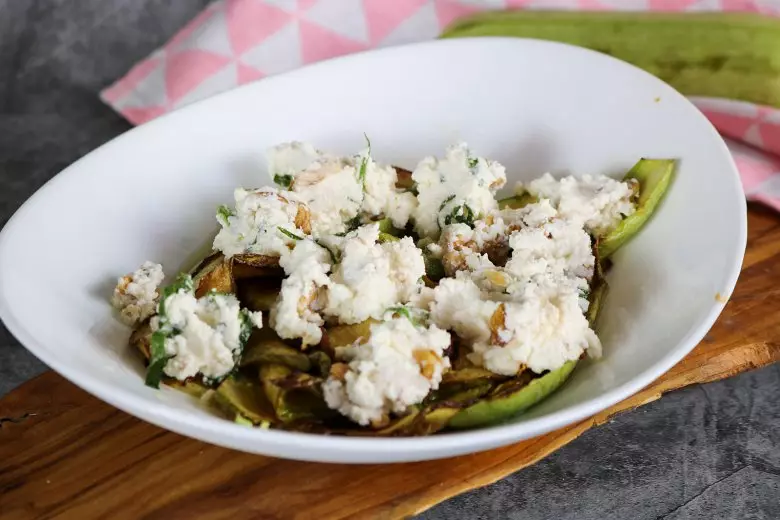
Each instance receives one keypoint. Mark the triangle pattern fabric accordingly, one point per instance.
(199, 21)
(247, 74)
(384, 17)
(151, 90)
(448, 11)
(421, 25)
(136, 75)
(212, 37)
(291, 6)
(218, 81)
(318, 43)
(279, 52)
(251, 21)
(186, 70)
(140, 115)
(343, 17)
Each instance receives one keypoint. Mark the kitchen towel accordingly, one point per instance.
(233, 42)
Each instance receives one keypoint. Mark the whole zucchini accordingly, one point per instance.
(729, 55)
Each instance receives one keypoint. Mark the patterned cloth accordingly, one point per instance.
(233, 42)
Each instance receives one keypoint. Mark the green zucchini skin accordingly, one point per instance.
(728, 55)
(654, 177)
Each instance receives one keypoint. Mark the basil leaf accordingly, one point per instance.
(285, 181)
(223, 213)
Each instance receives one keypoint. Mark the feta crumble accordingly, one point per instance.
(203, 335)
(598, 202)
(396, 368)
(136, 294)
(457, 188)
(265, 221)
(372, 277)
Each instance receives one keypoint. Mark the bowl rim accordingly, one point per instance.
(371, 449)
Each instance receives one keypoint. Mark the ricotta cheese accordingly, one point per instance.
(457, 188)
(542, 328)
(597, 202)
(382, 198)
(136, 294)
(296, 312)
(328, 185)
(204, 335)
(371, 277)
(265, 221)
(530, 313)
(396, 368)
(557, 249)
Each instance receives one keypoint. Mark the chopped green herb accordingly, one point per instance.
(462, 214)
(446, 201)
(473, 162)
(289, 233)
(364, 162)
(352, 224)
(246, 329)
(401, 311)
(223, 213)
(183, 282)
(158, 358)
(418, 317)
(333, 257)
(285, 181)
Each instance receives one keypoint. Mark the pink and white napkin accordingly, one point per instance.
(233, 42)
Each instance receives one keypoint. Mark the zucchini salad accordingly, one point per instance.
(356, 298)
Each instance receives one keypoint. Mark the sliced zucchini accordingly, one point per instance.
(294, 396)
(266, 347)
(511, 398)
(517, 201)
(655, 177)
(240, 397)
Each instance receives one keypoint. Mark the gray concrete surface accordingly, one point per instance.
(705, 452)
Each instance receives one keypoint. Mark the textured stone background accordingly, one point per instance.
(706, 452)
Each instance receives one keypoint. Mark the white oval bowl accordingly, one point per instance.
(534, 106)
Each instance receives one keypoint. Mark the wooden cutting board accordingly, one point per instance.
(64, 454)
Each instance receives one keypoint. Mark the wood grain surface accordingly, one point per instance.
(65, 454)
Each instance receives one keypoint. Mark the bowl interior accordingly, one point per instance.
(534, 106)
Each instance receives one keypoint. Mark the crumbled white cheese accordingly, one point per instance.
(382, 198)
(208, 338)
(396, 368)
(459, 304)
(371, 277)
(136, 294)
(295, 314)
(293, 157)
(598, 202)
(486, 244)
(530, 312)
(559, 248)
(457, 188)
(328, 185)
(264, 222)
(542, 329)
